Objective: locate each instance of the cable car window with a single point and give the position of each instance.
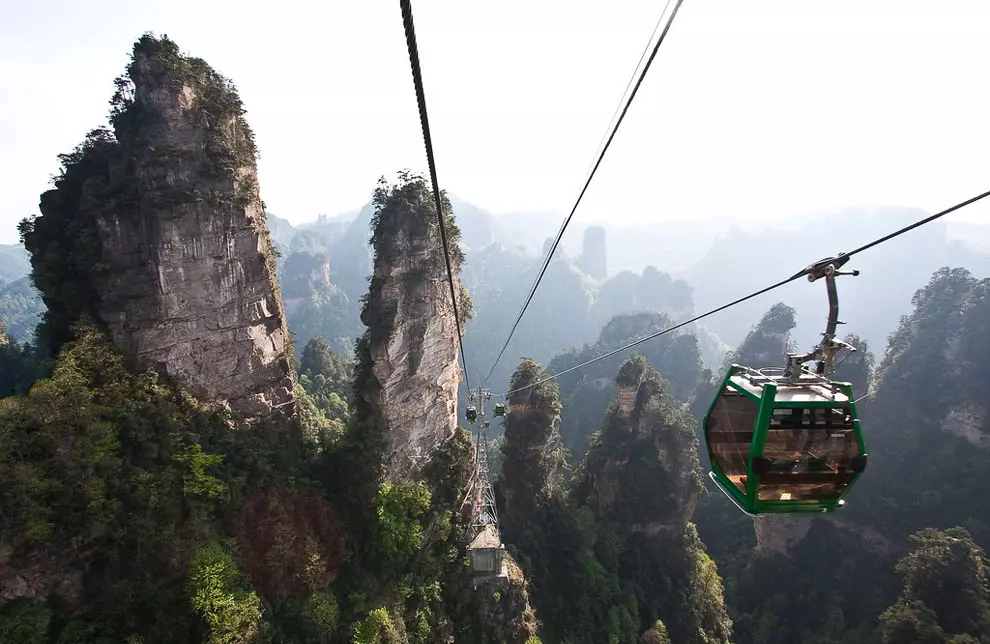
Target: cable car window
(809, 454)
(730, 432)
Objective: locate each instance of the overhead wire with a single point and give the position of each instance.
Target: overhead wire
(632, 78)
(407, 21)
(594, 169)
(772, 287)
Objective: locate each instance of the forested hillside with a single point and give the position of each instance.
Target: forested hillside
(217, 426)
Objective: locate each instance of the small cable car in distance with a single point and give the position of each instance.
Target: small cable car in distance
(500, 409)
(472, 414)
(786, 440)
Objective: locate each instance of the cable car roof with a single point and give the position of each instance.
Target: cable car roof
(809, 390)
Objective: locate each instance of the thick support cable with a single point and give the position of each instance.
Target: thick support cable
(587, 183)
(407, 21)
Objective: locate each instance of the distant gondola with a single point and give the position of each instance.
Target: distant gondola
(472, 414)
(500, 409)
(785, 440)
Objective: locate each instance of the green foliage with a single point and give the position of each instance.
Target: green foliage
(398, 533)
(322, 614)
(329, 313)
(946, 590)
(927, 413)
(231, 611)
(24, 621)
(197, 481)
(910, 623)
(656, 635)
(376, 628)
(323, 432)
(598, 573)
(323, 387)
(66, 254)
(328, 372)
(20, 366)
(352, 473)
(104, 465)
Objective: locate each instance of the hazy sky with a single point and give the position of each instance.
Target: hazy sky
(753, 109)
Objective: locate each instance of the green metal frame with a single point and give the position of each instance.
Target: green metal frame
(749, 502)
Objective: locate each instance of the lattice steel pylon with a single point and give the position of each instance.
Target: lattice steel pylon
(484, 513)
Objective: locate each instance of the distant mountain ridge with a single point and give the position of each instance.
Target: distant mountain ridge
(719, 264)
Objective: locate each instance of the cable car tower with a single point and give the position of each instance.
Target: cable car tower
(485, 547)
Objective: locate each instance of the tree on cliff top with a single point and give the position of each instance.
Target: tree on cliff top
(412, 197)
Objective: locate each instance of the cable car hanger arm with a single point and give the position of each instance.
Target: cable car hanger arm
(824, 352)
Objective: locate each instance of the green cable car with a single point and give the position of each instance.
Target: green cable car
(500, 409)
(472, 414)
(785, 440)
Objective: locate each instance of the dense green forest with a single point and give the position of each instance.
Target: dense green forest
(133, 511)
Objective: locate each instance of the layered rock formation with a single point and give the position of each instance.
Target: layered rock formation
(642, 468)
(412, 332)
(532, 467)
(171, 250)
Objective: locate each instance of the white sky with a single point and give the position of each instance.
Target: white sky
(753, 109)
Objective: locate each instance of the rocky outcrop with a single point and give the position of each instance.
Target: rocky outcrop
(642, 469)
(532, 466)
(767, 344)
(412, 331)
(503, 608)
(781, 532)
(181, 267)
(593, 259)
(587, 392)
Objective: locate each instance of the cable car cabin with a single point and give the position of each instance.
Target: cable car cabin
(779, 445)
(500, 409)
(472, 414)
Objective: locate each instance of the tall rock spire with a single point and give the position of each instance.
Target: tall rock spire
(412, 334)
(171, 250)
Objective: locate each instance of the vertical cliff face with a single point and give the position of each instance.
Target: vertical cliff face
(593, 259)
(171, 247)
(642, 468)
(412, 333)
(532, 468)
